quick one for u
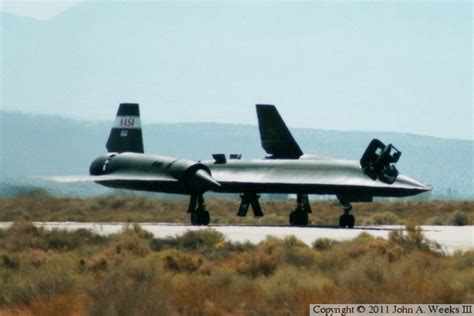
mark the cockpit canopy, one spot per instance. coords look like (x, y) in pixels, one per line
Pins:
(378, 159)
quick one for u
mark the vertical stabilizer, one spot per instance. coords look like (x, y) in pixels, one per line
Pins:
(126, 133)
(274, 134)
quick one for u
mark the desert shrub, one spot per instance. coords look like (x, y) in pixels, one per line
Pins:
(463, 260)
(412, 240)
(272, 252)
(10, 261)
(33, 257)
(293, 242)
(117, 202)
(142, 203)
(324, 244)
(208, 241)
(129, 244)
(205, 274)
(344, 253)
(383, 249)
(435, 220)
(29, 283)
(458, 218)
(158, 244)
(10, 215)
(96, 265)
(180, 262)
(274, 246)
(255, 263)
(363, 237)
(233, 294)
(297, 253)
(24, 235)
(99, 204)
(133, 288)
(202, 240)
(329, 262)
(132, 240)
(196, 297)
(69, 240)
(362, 272)
(420, 277)
(290, 290)
(222, 278)
(21, 235)
(137, 230)
(300, 257)
(239, 246)
(382, 218)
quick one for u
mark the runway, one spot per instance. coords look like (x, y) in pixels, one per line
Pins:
(451, 238)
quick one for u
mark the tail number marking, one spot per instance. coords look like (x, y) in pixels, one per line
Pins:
(127, 122)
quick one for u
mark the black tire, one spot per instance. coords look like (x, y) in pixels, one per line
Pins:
(205, 218)
(306, 219)
(302, 218)
(194, 218)
(342, 221)
(298, 218)
(350, 221)
(292, 218)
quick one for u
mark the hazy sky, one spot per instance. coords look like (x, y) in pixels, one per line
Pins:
(392, 66)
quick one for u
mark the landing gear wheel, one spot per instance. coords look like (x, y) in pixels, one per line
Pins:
(194, 218)
(346, 220)
(303, 219)
(205, 218)
(200, 217)
(292, 218)
(342, 221)
(350, 221)
(298, 218)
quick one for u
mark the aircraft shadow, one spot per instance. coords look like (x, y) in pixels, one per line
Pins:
(361, 228)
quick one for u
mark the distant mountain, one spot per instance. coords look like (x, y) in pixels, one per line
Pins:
(40, 145)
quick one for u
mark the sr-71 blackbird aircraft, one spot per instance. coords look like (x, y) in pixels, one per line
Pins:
(285, 170)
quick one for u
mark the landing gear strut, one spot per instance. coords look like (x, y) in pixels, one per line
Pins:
(346, 219)
(199, 215)
(248, 199)
(299, 217)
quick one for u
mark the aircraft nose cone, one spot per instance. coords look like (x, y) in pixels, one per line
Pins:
(422, 187)
(205, 182)
(426, 187)
(413, 184)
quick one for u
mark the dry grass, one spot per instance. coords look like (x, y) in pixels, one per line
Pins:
(42, 207)
(202, 273)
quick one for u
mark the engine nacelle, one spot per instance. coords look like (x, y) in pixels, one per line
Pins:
(99, 165)
(195, 176)
(197, 179)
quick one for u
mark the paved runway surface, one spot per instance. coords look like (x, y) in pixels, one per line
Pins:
(451, 238)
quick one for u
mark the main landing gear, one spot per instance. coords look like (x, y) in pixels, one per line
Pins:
(197, 209)
(346, 219)
(249, 199)
(299, 217)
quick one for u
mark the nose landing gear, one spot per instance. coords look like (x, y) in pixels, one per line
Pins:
(346, 219)
(299, 217)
